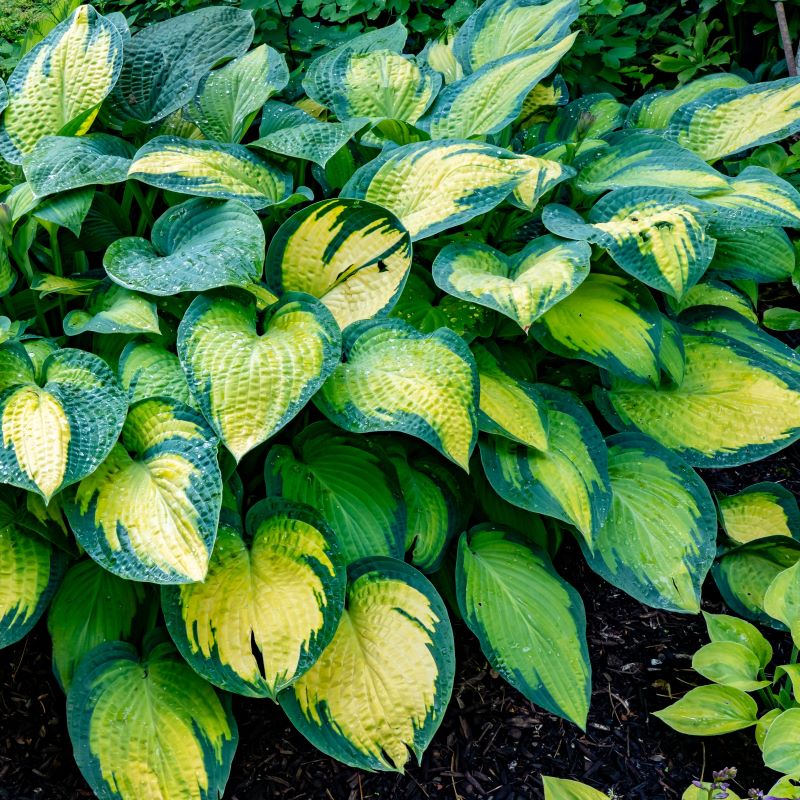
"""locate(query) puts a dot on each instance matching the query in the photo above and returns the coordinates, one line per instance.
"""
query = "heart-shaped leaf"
(280, 590)
(197, 245)
(354, 256)
(380, 688)
(657, 235)
(150, 511)
(59, 420)
(250, 384)
(522, 286)
(148, 723)
(397, 379)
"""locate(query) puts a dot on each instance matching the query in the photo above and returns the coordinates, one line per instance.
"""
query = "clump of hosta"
(280, 371)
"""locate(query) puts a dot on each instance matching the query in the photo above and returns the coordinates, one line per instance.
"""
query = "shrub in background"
(271, 372)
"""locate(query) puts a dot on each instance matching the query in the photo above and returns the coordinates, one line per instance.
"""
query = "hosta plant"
(281, 370)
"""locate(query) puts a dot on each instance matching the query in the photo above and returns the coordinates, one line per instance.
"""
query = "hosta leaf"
(93, 606)
(289, 131)
(349, 481)
(569, 481)
(659, 538)
(147, 369)
(379, 84)
(710, 711)
(582, 121)
(563, 789)
(150, 511)
(503, 27)
(66, 210)
(609, 321)
(761, 510)
(112, 309)
(380, 688)
(8, 275)
(277, 594)
(354, 256)
(733, 406)
(250, 384)
(715, 293)
(655, 109)
(782, 743)
(143, 726)
(734, 325)
(165, 62)
(756, 198)
(759, 254)
(657, 235)
(782, 600)
(531, 624)
(58, 86)
(397, 379)
(509, 407)
(781, 319)
(729, 120)
(671, 352)
(725, 628)
(522, 286)
(31, 568)
(60, 163)
(229, 97)
(210, 169)
(71, 286)
(744, 574)
(197, 245)
(643, 159)
(437, 502)
(432, 186)
(58, 422)
(323, 78)
(490, 98)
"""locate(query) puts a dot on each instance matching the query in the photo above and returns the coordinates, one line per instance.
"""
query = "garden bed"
(492, 743)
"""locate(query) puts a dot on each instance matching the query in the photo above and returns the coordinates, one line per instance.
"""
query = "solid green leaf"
(165, 61)
(757, 254)
(195, 246)
(60, 163)
(710, 711)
